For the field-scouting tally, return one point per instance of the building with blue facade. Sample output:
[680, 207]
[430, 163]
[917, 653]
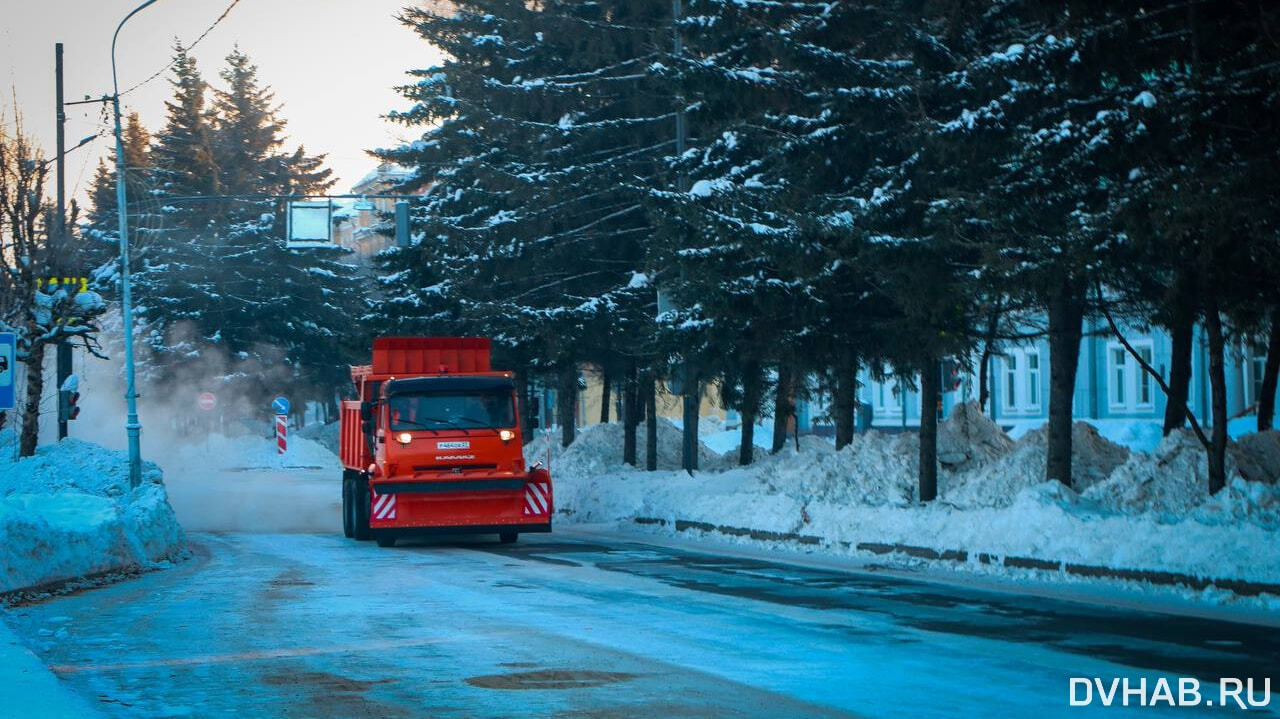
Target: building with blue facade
[1110, 384]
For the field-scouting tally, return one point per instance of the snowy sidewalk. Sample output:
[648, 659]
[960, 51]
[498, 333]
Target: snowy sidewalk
[28, 689]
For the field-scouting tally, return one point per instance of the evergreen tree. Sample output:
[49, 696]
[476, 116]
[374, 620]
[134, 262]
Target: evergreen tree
[535, 226]
[217, 277]
[100, 250]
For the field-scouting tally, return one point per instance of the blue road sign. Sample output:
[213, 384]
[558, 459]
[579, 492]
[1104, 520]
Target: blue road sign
[280, 405]
[8, 355]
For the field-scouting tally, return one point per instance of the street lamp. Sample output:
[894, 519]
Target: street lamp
[132, 426]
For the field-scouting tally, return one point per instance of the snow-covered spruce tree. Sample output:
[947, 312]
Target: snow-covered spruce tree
[1041, 137]
[99, 252]
[218, 277]
[533, 231]
[737, 265]
[1197, 243]
[173, 263]
[34, 304]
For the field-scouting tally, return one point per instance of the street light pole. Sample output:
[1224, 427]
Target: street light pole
[60, 241]
[132, 426]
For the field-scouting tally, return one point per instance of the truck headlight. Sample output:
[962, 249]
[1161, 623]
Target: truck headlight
[506, 435]
[404, 438]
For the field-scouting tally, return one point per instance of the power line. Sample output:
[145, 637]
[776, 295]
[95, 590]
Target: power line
[208, 30]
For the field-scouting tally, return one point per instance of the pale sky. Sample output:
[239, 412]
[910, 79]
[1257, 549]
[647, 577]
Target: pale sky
[331, 63]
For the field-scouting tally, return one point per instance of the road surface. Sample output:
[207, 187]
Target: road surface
[582, 625]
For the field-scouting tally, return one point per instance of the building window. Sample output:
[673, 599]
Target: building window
[886, 398]
[1255, 366]
[1129, 387]
[1021, 381]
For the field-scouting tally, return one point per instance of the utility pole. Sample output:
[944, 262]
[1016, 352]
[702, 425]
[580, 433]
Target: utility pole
[60, 243]
[690, 387]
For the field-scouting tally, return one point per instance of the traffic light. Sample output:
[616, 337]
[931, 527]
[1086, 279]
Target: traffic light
[952, 374]
[68, 405]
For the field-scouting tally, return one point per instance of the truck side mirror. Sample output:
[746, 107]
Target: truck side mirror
[366, 411]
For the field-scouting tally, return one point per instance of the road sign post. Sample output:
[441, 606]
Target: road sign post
[282, 433]
[8, 356]
[281, 407]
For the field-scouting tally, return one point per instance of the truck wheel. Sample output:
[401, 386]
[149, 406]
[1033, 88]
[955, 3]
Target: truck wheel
[385, 539]
[348, 513]
[360, 503]
[508, 537]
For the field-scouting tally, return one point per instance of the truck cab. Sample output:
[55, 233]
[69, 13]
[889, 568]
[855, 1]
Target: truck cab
[434, 445]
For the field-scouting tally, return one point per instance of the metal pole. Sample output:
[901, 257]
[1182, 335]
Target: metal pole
[60, 220]
[132, 426]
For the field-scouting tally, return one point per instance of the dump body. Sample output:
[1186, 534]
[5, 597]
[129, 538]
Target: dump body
[434, 444]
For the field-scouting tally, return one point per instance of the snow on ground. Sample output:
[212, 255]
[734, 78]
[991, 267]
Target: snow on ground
[1133, 510]
[69, 511]
[29, 689]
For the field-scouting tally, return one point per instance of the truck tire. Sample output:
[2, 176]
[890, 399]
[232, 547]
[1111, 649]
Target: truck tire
[360, 527]
[385, 539]
[348, 511]
[508, 537]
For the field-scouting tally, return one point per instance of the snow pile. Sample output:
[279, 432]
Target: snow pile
[69, 512]
[1136, 510]
[1173, 482]
[598, 448]
[247, 452]
[873, 470]
[1093, 458]
[327, 435]
[1258, 456]
[967, 438]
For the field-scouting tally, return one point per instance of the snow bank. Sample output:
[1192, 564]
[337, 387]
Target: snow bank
[245, 452]
[1134, 510]
[997, 483]
[69, 512]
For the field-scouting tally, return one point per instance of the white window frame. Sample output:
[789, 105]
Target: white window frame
[1016, 371]
[1126, 380]
[886, 397]
[1254, 360]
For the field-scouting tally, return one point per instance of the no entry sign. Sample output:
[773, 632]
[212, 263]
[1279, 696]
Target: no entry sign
[206, 401]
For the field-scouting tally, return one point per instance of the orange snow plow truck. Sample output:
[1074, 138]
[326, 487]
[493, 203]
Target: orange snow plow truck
[433, 445]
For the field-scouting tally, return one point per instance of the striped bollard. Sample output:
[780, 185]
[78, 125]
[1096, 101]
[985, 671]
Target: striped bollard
[282, 431]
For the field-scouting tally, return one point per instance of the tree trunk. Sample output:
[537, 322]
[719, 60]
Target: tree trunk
[30, 437]
[649, 388]
[604, 397]
[1181, 329]
[782, 408]
[1267, 393]
[929, 392]
[1218, 383]
[752, 388]
[690, 406]
[846, 403]
[988, 348]
[630, 417]
[566, 400]
[1066, 328]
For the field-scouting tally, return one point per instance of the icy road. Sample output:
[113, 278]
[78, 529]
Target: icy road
[582, 625]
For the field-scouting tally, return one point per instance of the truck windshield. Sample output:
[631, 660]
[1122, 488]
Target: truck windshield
[461, 409]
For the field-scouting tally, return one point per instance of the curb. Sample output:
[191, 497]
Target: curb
[1241, 587]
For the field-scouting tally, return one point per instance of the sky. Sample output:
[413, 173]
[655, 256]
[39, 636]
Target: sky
[332, 64]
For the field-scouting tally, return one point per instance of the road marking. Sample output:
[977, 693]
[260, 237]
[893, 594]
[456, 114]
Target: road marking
[266, 654]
